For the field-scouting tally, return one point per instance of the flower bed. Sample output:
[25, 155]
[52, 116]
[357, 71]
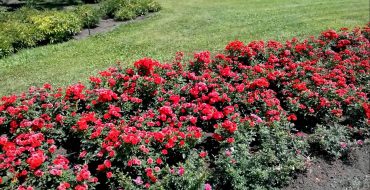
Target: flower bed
[244, 119]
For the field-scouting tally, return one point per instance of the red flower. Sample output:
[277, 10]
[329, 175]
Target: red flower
[260, 82]
[2, 120]
[181, 171]
[330, 34]
[337, 112]
[230, 126]
[292, 117]
[81, 187]
[165, 110]
[203, 57]
[366, 109]
[109, 175]
[63, 186]
[36, 159]
[107, 163]
[218, 115]
[230, 140]
[159, 161]
[84, 174]
[146, 66]
[300, 86]
[149, 161]
[175, 99]
[75, 92]
[106, 95]
[203, 154]
[235, 46]
[228, 110]
[164, 152]
[59, 118]
[218, 137]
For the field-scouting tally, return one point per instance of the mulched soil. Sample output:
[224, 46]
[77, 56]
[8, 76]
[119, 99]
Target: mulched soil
[350, 174]
[105, 25]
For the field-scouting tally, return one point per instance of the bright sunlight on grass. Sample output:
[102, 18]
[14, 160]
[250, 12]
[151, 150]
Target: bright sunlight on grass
[188, 26]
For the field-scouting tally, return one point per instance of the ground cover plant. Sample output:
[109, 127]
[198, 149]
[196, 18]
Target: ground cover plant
[29, 27]
[247, 118]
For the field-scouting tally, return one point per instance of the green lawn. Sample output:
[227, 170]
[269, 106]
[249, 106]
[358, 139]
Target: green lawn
[190, 25]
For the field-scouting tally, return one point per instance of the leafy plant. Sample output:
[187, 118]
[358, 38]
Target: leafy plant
[6, 45]
[57, 26]
[90, 15]
[123, 14]
[238, 120]
[333, 139]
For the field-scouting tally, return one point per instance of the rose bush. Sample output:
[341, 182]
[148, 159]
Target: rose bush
[244, 119]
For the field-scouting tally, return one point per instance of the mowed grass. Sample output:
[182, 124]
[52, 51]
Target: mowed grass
[188, 26]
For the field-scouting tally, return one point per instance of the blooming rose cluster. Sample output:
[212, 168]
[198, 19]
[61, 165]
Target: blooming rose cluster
[141, 127]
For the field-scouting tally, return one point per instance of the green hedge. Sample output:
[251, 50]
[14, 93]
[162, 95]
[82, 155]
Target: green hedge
[128, 9]
[6, 46]
[89, 15]
[57, 26]
[21, 35]
[28, 27]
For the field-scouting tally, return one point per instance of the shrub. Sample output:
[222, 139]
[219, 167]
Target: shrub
[333, 139]
[261, 158]
[150, 5]
[126, 10]
[22, 15]
[24, 34]
[6, 44]
[123, 14]
[139, 7]
[238, 120]
[90, 15]
[56, 26]
[3, 14]
[28, 27]
[109, 7]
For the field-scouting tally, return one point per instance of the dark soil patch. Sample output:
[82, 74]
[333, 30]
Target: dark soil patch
[105, 25]
[352, 173]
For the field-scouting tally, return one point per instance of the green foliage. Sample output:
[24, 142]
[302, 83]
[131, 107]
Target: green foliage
[6, 46]
[109, 7]
[128, 9]
[3, 14]
[57, 26]
[150, 5]
[262, 158]
[124, 14]
[194, 177]
[23, 34]
[23, 14]
[332, 139]
[29, 27]
[16, 32]
[89, 15]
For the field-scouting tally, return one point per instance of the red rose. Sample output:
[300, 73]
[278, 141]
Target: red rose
[36, 159]
[203, 154]
[107, 163]
[109, 174]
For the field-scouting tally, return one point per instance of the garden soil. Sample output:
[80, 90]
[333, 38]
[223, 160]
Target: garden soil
[104, 25]
[350, 174]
